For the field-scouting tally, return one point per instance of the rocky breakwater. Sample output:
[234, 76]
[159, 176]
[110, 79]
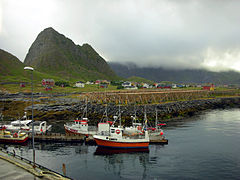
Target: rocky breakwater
[69, 109]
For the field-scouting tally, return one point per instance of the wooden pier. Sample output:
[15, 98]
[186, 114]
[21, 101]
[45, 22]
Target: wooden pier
[71, 138]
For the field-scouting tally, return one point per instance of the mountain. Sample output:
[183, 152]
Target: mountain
[10, 64]
[12, 70]
[178, 76]
[55, 54]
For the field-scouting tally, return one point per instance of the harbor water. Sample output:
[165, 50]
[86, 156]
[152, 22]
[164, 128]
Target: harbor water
[205, 146]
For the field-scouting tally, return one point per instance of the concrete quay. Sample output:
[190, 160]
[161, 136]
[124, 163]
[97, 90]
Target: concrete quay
[16, 167]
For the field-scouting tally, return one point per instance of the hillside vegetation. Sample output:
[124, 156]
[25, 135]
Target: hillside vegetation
[139, 80]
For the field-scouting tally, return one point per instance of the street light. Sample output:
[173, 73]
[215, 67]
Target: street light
[31, 69]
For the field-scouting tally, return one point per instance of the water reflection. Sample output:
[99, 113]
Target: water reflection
[110, 151]
[124, 163]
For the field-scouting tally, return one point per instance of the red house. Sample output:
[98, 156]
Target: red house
[209, 88]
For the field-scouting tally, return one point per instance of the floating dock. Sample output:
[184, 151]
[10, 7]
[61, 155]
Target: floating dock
[71, 138]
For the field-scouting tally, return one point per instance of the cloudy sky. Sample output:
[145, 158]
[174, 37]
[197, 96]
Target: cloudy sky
[166, 33]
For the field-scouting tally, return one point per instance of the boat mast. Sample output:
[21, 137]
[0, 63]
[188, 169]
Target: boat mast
[106, 104]
[119, 111]
[156, 117]
[135, 115]
[86, 107]
[145, 117]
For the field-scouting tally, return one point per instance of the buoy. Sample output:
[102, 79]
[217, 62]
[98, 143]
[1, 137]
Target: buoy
[161, 133]
[15, 135]
[117, 131]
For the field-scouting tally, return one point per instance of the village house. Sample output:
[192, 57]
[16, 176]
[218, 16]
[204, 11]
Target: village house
[145, 85]
[89, 82]
[80, 84]
[208, 87]
[126, 84]
[102, 82]
[130, 87]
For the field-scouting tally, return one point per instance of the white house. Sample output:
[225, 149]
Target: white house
[145, 85]
[126, 84]
[89, 82]
[79, 84]
[130, 87]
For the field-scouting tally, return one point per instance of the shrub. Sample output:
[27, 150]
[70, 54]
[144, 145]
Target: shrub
[62, 83]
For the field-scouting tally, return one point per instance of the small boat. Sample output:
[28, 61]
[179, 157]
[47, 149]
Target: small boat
[25, 125]
[156, 131]
[80, 127]
[115, 139]
[13, 138]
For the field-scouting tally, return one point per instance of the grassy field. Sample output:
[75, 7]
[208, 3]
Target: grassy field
[15, 88]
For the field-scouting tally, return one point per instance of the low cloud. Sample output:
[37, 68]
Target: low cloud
[170, 34]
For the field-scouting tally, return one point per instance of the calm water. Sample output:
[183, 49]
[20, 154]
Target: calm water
[201, 147]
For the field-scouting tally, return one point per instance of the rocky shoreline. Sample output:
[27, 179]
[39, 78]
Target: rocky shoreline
[65, 109]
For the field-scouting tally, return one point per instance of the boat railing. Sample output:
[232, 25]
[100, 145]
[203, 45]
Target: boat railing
[135, 136]
[104, 133]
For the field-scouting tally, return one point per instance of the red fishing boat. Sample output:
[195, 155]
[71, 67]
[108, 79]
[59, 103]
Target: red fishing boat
[115, 139]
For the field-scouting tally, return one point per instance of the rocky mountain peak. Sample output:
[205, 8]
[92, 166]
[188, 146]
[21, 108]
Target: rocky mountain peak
[54, 53]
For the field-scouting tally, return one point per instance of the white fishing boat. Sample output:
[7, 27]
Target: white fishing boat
[25, 125]
[80, 126]
[115, 139]
[156, 131]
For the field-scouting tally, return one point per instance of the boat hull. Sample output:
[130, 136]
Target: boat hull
[13, 140]
[121, 144]
[74, 131]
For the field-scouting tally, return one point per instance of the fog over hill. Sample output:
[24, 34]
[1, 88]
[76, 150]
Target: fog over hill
[159, 74]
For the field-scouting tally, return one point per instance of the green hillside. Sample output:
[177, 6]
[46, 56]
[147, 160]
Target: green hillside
[12, 70]
[139, 80]
[55, 54]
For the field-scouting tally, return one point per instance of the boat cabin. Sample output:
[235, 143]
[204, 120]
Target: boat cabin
[103, 127]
